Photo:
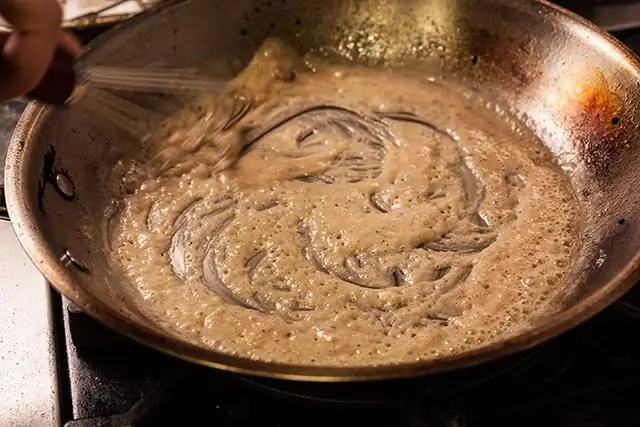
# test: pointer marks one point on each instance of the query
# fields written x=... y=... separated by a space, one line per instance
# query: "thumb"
x=28 y=50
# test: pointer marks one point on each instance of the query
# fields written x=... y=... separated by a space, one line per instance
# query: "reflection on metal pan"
x=521 y=58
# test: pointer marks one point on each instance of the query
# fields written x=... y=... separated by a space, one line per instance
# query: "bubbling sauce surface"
x=374 y=217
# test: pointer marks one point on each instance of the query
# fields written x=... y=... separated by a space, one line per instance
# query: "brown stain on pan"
x=596 y=121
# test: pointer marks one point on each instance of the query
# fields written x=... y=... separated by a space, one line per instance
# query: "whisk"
x=68 y=82
x=66 y=79
x=96 y=91
x=92 y=93
x=146 y=80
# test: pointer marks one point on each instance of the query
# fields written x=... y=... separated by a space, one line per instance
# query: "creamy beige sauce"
x=375 y=217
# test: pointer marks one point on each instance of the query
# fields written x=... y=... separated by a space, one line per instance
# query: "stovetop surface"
x=588 y=377
x=59 y=367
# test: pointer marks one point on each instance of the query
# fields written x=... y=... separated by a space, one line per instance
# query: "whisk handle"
x=59 y=81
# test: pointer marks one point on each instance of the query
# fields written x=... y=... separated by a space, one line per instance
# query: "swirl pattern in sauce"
x=373 y=217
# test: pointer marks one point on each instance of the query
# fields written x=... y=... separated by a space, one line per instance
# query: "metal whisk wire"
x=98 y=95
x=124 y=114
x=169 y=81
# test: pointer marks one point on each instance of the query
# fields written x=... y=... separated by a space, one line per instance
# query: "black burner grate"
x=566 y=382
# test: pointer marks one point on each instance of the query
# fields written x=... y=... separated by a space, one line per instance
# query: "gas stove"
x=58 y=367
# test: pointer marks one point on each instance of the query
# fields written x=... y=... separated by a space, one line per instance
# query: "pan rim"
x=61 y=278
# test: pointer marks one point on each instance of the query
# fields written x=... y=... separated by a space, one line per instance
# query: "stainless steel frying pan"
x=574 y=85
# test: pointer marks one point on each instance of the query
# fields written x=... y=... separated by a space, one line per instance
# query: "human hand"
x=28 y=50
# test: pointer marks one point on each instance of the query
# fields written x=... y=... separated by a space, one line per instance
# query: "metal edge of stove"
x=110 y=12
x=108 y=15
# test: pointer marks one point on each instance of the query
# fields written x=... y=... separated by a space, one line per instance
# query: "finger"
x=69 y=43
x=34 y=16
x=24 y=61
x=28 y=50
